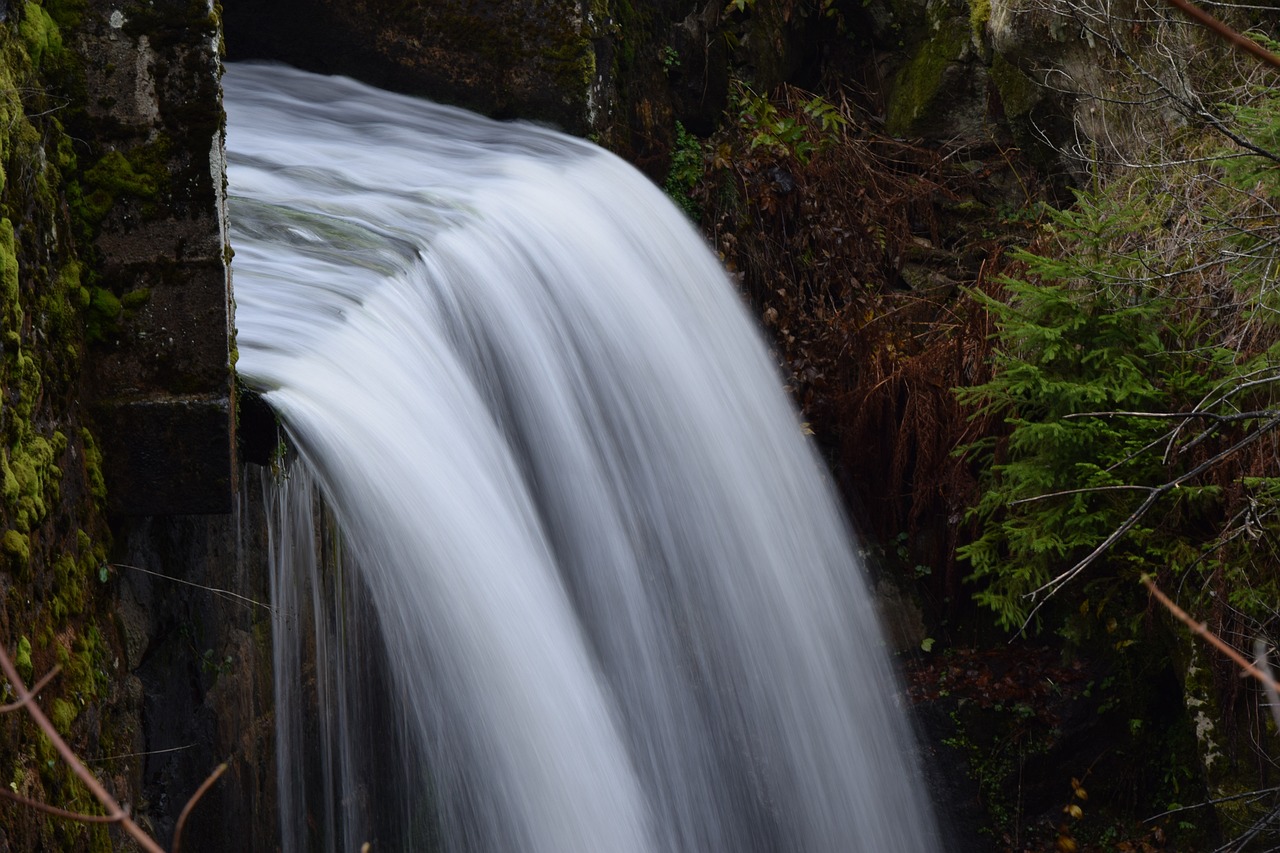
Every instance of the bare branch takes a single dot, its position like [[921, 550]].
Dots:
[[1246, 44], [1240, 416], [191, 803], [40, 685], [226, 593], [1247, 795], [114, 811], [1082, 491], [121, 755], [1213, 639], [79, 817]]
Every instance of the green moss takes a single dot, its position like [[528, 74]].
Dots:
[[135, 299], [86, 665], [62, 714], [40, 34], [979, 15], [8, 482], [1018, 92], [103, 314], [69, 589], [32, 469], [93, 466], [22, 659], [921, 84], [16, 546], [28, 380], [573, 63], [64, 152], [115, 174], [10, 306], [66, 13], [105, 303]]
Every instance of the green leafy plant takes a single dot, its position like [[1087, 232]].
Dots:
[[815, 126], [1117, 391], [686, 171]]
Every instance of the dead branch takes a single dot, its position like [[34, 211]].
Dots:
[[115, 812], [235, 597], [40, 685], [186, 810], [1213, 639], [1238, 40], [79, 817]]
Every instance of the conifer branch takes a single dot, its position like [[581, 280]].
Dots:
[[1051, 587]]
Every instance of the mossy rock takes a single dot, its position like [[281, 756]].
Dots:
[[936, 88]]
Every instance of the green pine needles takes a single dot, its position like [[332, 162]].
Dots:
[[1121, 374]]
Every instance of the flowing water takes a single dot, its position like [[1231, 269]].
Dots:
[[589, 591]]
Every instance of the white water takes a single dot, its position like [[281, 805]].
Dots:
[[592, 593]]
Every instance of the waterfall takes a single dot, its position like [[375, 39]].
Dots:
[[555, 566]]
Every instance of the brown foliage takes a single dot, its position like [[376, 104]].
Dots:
[[856, 258]]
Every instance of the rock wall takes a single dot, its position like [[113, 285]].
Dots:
[[527, 58], [622, 72], [117, 484], [153, 211]]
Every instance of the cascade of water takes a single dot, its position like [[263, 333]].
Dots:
[[591, 591]]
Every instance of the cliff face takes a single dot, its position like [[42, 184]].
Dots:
[[117, 419], [152, 215], [528, 58]]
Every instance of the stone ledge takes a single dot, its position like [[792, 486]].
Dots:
[[168, 456]]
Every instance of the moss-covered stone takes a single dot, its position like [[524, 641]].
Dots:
[[53, 528], [979, 15], [1018, 92], [40, 34], [62, 714], [922, 90], [16, 547], [22, 659], [10, 305]]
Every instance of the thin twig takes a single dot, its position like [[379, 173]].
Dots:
[[80, 817], [114, 810], [39, 685], [1213, 639], [121, 755], [1238, 416], [186, 810], [1219, 801], [1082, 491], [216, 590]]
